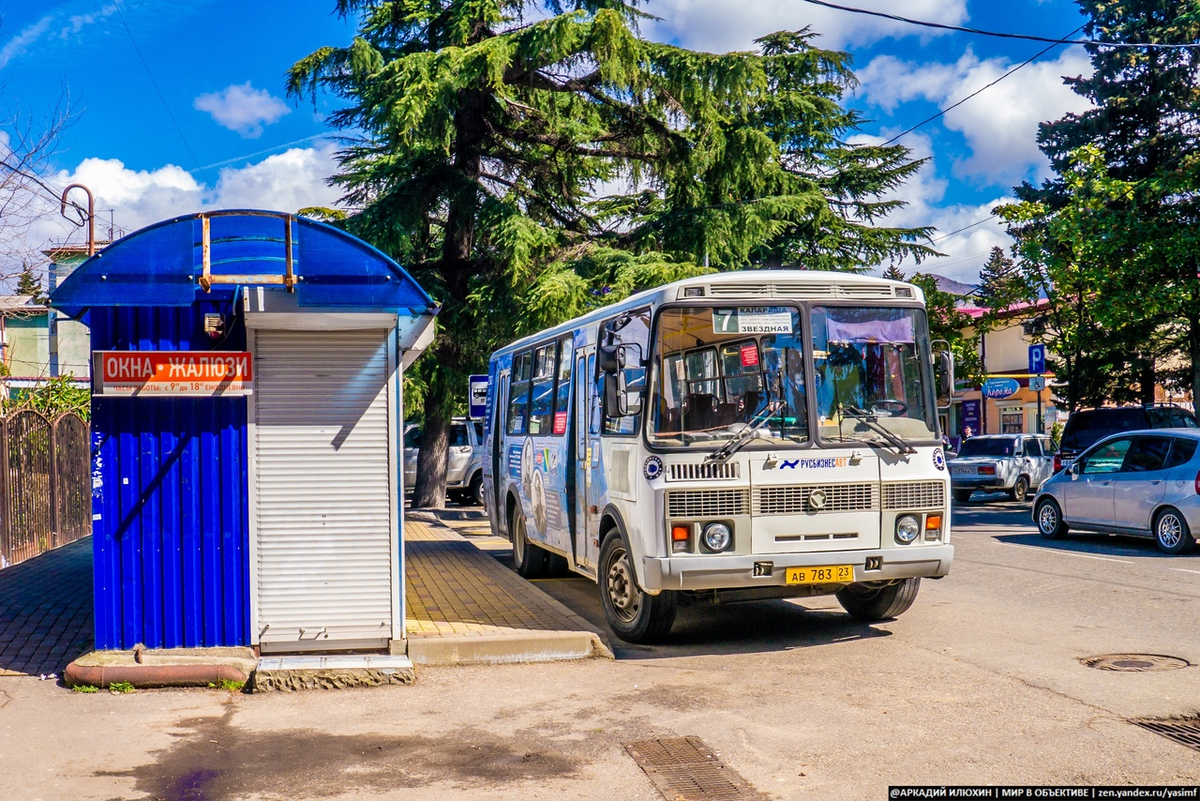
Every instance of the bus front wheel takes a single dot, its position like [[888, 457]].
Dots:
[[871, 602], [632, 614]]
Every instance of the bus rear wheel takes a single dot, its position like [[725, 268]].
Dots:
[[529, 558], [871, 602], [632, 614]]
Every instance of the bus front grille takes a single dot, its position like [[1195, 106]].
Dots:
[[914, 495], [703, 470], [708, 503], [831, 498]]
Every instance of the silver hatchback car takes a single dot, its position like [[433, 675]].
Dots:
[[1144, 483]]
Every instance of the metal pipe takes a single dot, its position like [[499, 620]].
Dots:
[[91, 214]]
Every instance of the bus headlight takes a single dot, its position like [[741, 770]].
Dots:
[[908, 528], [717, 536]]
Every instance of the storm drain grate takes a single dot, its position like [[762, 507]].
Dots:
[[1183, 731], [685, 769], [1135, 663]]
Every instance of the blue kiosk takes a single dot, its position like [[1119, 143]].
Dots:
[[246, 434]]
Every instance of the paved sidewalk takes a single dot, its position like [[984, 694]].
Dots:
[[46, 610], [465, 607]]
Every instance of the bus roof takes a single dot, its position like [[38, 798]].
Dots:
[[742, 286]]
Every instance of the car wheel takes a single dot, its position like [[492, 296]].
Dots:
[[529, 559], [1049, 519], [474, 493], [871, 601], [962, 496], [1171, 532], [633, 615], [455, 496], [1020, 490]]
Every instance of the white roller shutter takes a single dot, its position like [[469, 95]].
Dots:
[[323, 490]]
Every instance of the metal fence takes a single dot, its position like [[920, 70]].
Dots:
[[45, 483]]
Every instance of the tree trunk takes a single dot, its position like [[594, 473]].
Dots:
[[1146, 379], [1194, 349], [456, 269], [429, 491]]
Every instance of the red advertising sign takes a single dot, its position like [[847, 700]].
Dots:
[[560, 423], [171, 372], [749, 355]]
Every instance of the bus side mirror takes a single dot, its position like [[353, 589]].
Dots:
[[944, 368], [624, 382]]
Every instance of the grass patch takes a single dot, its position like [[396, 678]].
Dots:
[[228, 686], [84, 688], [120, 687]]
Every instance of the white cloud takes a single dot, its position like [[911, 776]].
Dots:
[[242, 108], [21, 43], [284, 182], [925, 194], [999, 125], [719, 26]]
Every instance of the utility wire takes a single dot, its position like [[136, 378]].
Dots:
[[999, 35], [154, 83], [944, 111], [964, 228]]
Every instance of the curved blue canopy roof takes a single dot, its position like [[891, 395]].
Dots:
[[206, 256]]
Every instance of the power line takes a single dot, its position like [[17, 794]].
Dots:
[[964, 228], [154, 83], [948, 109], [980, 32]]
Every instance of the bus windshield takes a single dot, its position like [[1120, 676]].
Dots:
[[872, 373], [718, 371]]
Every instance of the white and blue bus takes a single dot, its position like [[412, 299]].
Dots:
[[736, 436]]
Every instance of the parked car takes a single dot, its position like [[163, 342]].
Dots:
[[464, 469], [1086, 427], [1145, 483], [1014, 463]]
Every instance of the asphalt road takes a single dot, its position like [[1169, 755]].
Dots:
[[982, 682]]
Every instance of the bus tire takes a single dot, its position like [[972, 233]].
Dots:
[[632, 614], [871, 602], [529, 558]]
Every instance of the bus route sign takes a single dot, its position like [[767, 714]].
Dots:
[[752, 320]]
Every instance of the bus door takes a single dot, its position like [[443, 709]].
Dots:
[[586, 526], [499, 413]]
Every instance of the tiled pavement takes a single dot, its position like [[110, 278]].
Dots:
[[46, 610], [456, 592], [462, 604]]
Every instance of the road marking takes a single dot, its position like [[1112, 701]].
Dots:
[[1072, 553], [1185, 570]]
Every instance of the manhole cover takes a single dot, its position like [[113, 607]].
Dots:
[[1135, 663], [685, 769], [1185, 731]]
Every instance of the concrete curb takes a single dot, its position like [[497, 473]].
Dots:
[[532, 646]]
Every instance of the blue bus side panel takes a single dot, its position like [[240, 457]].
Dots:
[[169, 484]]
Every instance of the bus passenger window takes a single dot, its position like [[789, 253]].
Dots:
[[542, 410], [518, 399], [562, 397]]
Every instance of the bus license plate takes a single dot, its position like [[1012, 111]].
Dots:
[[834, 574]]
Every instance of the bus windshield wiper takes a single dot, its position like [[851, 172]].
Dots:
[[742, 437], [872, 422]]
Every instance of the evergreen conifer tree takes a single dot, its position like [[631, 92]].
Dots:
[[525, 169], [893, 273], [1110, 238]]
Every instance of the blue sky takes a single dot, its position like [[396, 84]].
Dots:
[[204, 122]]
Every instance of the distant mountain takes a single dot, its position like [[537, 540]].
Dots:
[[953, 287]]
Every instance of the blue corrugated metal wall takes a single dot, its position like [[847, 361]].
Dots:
[[170, 521]]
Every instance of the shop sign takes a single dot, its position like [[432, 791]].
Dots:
[[171, 373], [1000, 387]]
